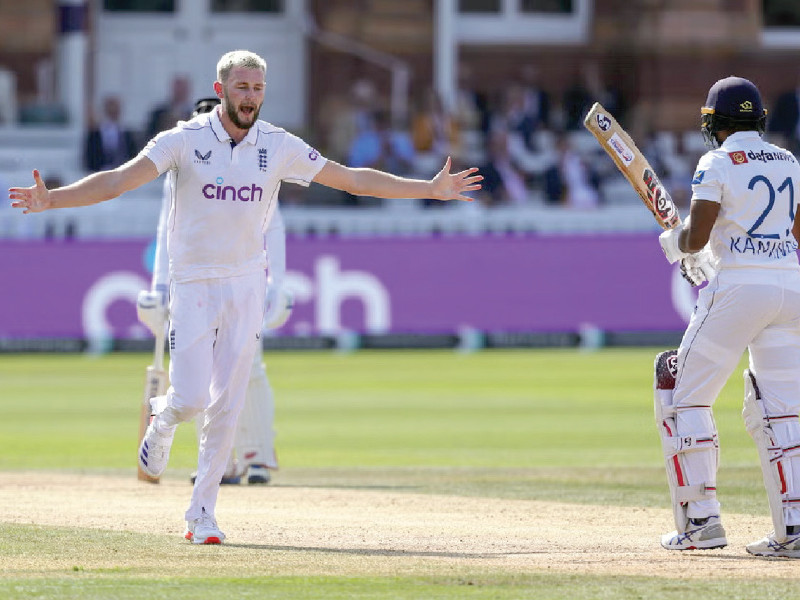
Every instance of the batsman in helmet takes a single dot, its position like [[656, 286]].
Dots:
[[741, 235]]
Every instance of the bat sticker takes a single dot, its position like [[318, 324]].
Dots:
[[662, 202], [622, 150], [603, 122]]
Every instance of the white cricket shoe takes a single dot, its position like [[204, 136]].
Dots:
[[258, 474], [204, 530], [701, 534], [154, 450], [769, 546]]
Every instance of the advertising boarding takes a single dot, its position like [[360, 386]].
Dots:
[[416, 285]]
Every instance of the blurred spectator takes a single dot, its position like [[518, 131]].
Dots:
[[382, 147], [178, 107], [334, 140], [469, 108], [435, 136], [674, 168], [571, 182], [503, 180], [345, 119], [513, 117], [535, 100], [434, 130], [784, 119], [576, 102], [365, 105], [108, 144], [519, 112], [587, 88]]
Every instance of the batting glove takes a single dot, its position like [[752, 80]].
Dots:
[[280, 303], [669, 244], [152, 310], [698, 268]]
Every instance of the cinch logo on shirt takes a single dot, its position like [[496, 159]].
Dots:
[[738, 157], [246, 193]]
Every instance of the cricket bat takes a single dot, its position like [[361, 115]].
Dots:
[[155, 384], [633, 165]]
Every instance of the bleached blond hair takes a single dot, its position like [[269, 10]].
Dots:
[[239, 58]]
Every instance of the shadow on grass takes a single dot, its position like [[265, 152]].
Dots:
[[391, 488], [383, 552]]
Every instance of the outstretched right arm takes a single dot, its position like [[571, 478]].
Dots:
[[92, 189]]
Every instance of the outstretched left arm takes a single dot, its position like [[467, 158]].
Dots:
[[370, 182]]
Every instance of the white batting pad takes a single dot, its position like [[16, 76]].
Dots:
[[703, 443], [255, 433], [777, 439]]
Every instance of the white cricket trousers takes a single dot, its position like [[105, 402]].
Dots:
[[215, 330], [762, 316]]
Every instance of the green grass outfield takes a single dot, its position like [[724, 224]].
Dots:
[[537, 425]]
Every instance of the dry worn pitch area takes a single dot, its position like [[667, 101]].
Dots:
[[309, 530]]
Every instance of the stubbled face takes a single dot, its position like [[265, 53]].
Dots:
[[243, 95]]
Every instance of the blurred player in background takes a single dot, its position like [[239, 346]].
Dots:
[[229, 166], [254, 445], [745, 194]]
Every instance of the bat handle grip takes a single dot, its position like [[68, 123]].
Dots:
[[158, 353]]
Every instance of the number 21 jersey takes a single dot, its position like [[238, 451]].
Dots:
[[757, 185]]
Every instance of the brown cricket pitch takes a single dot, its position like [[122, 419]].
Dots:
[[299, 530]]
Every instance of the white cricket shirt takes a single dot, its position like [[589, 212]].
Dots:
[[223, 196], [757, 185]]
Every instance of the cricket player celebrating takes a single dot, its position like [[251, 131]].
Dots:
[[254, 444], [228, 166], [744, 206]]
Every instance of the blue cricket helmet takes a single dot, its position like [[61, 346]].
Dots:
[[733, 103]]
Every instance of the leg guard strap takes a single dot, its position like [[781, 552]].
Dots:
[[695, 493], [687, 443]]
